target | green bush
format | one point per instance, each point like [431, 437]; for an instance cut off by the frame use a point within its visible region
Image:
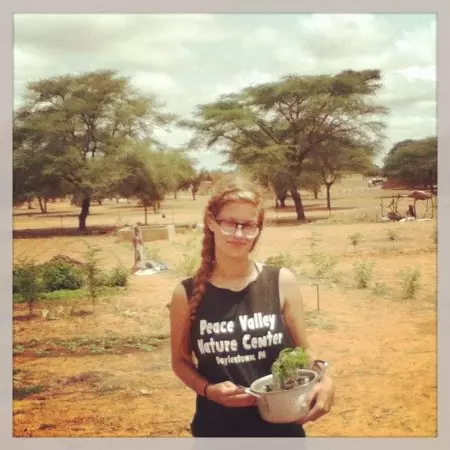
[411, 281]
[117, 277]
[281, 260]
[60, 275]
[27, 282]
[323, 264]
[362, 271]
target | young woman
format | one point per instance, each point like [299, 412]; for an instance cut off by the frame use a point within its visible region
[230, 321]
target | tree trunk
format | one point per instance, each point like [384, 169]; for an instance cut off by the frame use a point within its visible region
[42, 205]
[30, 204]
[298, 203]
[328, 186]
[175, 195]
[84, 213]
[145, 212]
[316, 194]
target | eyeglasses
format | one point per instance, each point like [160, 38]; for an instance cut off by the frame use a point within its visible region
[228, 227]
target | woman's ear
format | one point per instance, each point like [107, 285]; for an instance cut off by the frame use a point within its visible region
[210, 223]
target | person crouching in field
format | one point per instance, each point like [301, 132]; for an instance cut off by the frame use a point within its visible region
[215, 314]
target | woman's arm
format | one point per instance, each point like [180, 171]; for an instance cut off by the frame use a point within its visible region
[291, 298]
[182, 361]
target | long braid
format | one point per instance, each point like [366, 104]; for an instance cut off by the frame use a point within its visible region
[204, 271]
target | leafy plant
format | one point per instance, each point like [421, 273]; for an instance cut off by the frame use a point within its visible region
[94, 276]
[117, 277]
[363, 273]
[284, 369]
[323, 264]
[411, 281]
[281, 260]
[27, 282]
[58, 274]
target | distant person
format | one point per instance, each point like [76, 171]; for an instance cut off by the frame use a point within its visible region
[138, 244]
[209, 318]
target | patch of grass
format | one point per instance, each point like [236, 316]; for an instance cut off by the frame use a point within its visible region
[316, 319]
[380, 289]
[20, 393]
[355, 238]
[284, 259]
[362, 272]
[323, 264]
[191, 258]
[18, 349]
[392, 235]
[411, 281]
[117, 277]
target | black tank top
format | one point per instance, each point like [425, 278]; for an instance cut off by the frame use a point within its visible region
[236, 336]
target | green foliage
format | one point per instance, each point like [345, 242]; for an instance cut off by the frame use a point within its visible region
[275, 128]
[94, 276]
[27, 282]
[59, 275]
[69, 135]
[282, 260]
[413, 161]
[323, 264]
[191, 258]
[363, 271]
[289, 360]
[118, 277]
[411, 281]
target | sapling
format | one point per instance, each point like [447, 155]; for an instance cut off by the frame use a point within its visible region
[285, 369]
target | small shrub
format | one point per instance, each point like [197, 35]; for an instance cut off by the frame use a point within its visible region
[94, 277]
[355, 238]
[362, 271]
[27, 282]
[323, 265]
[411, 281]
[60, 275]
[281, 260]
[191, 258]
[392, 235]
[117, 277]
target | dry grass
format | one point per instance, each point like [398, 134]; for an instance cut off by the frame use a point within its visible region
[108, 373]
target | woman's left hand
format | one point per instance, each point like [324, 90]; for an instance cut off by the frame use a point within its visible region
[319, 400]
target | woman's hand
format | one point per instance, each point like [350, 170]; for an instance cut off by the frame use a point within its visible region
[319, 400]
[230, 395]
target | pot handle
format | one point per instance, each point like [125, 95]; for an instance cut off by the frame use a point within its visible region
[250, 392]
[322, 370]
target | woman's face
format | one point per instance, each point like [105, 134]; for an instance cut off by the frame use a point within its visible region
[235, 228]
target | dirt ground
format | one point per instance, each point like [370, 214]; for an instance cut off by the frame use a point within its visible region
[108, 373]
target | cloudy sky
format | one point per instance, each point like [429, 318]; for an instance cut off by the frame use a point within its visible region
[190, 59]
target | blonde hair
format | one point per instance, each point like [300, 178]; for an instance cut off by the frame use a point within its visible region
[230, 189]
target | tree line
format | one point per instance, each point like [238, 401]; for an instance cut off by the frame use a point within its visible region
[92, 136]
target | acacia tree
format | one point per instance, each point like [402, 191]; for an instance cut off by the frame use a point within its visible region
[83, 123]
[338, 157]
[413, 161]
[141, 177]
[292, 117]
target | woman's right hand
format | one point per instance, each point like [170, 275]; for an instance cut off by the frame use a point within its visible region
[230, 395]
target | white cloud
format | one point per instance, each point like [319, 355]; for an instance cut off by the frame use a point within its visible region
[191, 59]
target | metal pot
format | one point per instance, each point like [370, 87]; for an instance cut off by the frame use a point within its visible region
[289, 405]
